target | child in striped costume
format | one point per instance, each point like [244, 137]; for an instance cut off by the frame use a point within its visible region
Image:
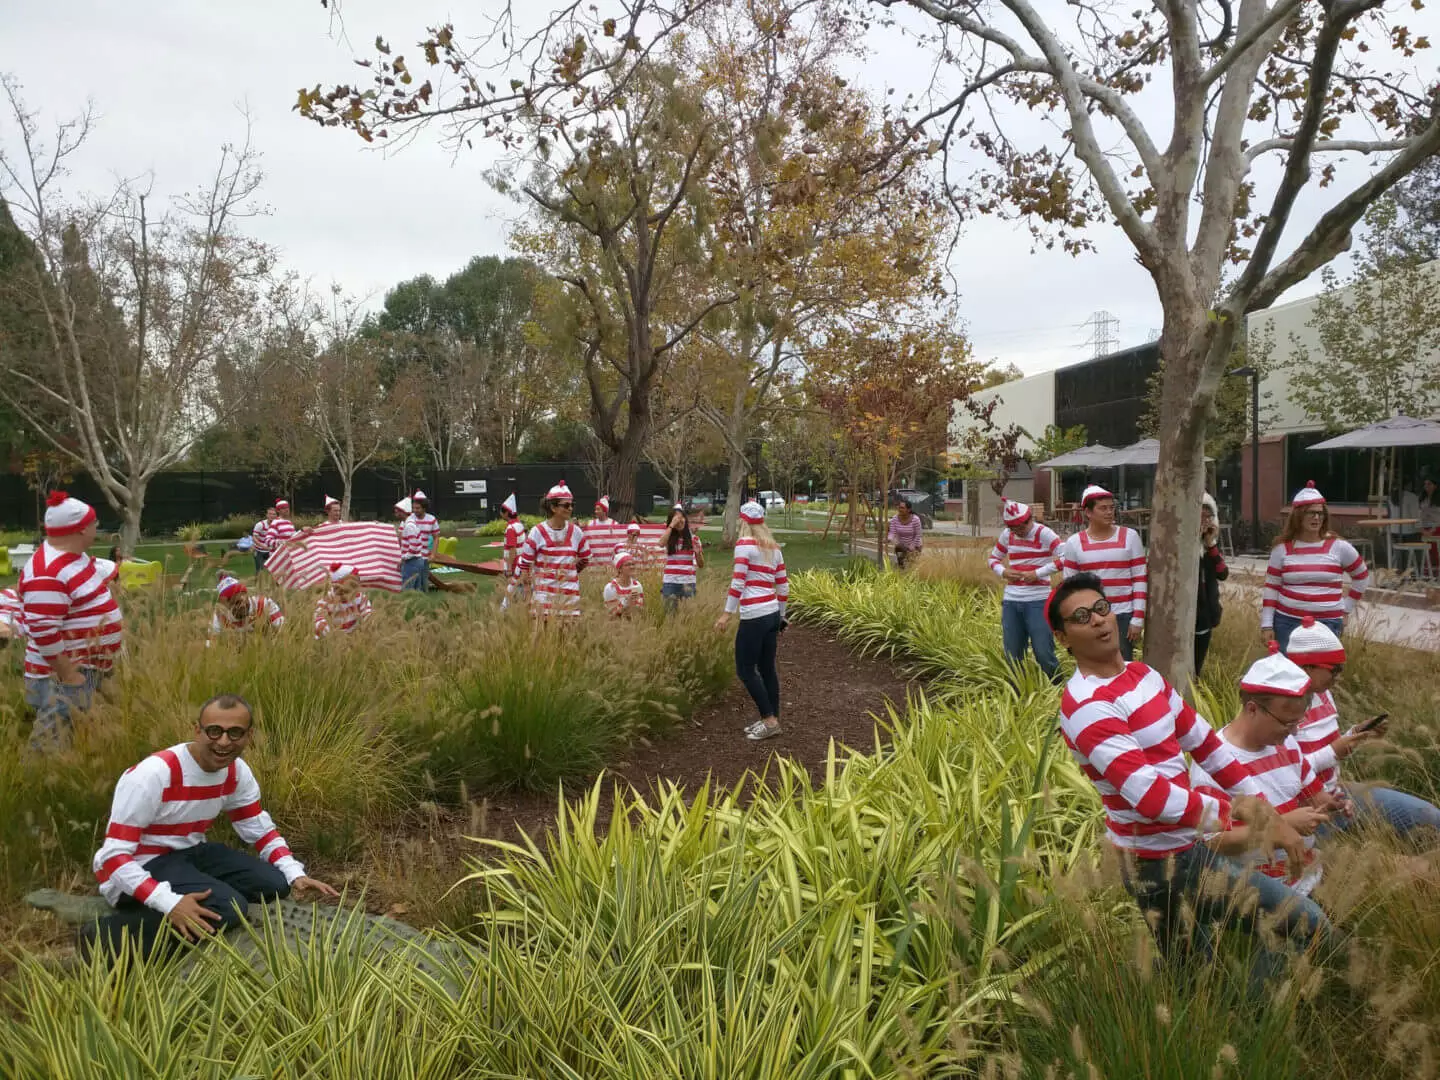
[1319, 653]
[344, 605]
[1128, 730]
[623, 593]
[553, 556]
[1307, 571]
[155, 865]
[1024, 556]
[759, 591]
[239, 611]
[1116, 556]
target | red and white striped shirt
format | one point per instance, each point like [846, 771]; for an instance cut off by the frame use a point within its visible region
[1118, 562]
[554, 558]
[12, 612]
[260, 536]
[168, 803]
[342, 615]
[67, 607]
[1305, 578]
[1318, 730]
[1036, 553]
[418, 536]
[621, 598]
[758, 585]
[278, 531]
[1127, 734]
[680, 564]
[263, 613]
[1283, 778]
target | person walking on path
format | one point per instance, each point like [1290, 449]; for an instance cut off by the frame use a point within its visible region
[1115, 554]
[1307, 571]
[904, 536]
[260, 544]
[759, 591]
[418, 538]
[553, 556]
[684, 557]
[1212, 571]
[155, 865]
[1025, 557]
[73, 625]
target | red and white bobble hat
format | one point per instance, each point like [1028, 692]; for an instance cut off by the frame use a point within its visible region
[510, 506]
[340, 571]
[282, 504]
[329, 502]
[559, 491]
[1015, 513]
[623, 559]
[65, 516]
[633, 529]
[1276, 674]
[1314, 644]
[1093, 492]
[1309, 495]
[230, 586]
[419, 496]
[603, 504]
[404, 506]
[752, 512]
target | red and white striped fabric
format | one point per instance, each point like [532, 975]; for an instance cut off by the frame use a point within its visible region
[758, 584]
[67, 607]
[680, 566]
[278, 531]
[1318, 730]
[263, 614]
[260, 537]
[12, 612]
[514, 535]
[1127, 734]
[553, 559]
[1283, 778]
[418, 536]
[622, 597]
[1036, 553]
[605, 536]
[1119, 562]
[340, 616]
[1309, 579]
[168, 803]
[370, 546]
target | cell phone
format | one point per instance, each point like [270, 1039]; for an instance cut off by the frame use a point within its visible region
[1372, 723]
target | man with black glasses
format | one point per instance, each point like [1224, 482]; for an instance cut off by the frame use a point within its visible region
[156, 866]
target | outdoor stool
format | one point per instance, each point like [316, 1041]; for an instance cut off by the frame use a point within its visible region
[1417, 561]
[1227, 542]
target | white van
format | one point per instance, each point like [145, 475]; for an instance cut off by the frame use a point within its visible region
[771, 500]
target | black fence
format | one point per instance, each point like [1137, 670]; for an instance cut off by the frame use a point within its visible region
[179, 498]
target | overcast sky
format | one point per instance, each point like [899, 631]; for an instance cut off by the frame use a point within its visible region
[169, 78]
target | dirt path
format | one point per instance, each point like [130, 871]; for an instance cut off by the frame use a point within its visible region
[826, 692]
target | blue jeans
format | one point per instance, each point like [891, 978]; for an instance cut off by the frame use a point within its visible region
[1219, 890]
[54, 702]
[414, 574]
[671, 593]
[1023, 622]
[1285, 625]
[1385, 806]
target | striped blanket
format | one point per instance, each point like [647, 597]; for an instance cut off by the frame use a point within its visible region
[372, 547]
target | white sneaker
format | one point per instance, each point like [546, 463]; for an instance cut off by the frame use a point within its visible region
[760, 731]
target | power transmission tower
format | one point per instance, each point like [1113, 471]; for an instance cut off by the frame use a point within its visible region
[1104, 333]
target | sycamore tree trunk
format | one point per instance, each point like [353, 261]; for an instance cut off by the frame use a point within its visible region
[1195, 344]
[734, 496]
[131, 505]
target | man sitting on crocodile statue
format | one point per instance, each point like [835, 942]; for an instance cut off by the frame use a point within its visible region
[155, 865]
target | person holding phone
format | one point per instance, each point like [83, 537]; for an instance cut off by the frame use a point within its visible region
[1316, 649]
[683, 558]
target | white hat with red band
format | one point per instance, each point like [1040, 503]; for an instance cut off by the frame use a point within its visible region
[282, 504]
[633, 528]
[623, 559]
[1093, 492]
[65, 516]
[752, 512]
[419, 496]
[230, 586]
[404, 506]
[340, 571]
[1307, 495]
[1275, 674]
[603, 503]
[329, 502]
[1313, 644]
[559, 491]
[1015, 513]
[510, 506]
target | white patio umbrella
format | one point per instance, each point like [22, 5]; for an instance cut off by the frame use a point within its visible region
[1086, 457]
[1386, 434]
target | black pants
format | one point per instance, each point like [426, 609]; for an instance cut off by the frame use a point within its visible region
[233, 877]
[1202, 648]
[755, 643]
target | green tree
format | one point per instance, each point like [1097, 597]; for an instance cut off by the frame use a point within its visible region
[1055, 440]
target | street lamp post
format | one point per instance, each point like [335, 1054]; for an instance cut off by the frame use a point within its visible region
[1248, 371]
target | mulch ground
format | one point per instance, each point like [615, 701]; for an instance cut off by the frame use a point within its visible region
[826, 692]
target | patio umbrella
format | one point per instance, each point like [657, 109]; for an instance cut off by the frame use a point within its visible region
[1086, 457]
[1386, 434]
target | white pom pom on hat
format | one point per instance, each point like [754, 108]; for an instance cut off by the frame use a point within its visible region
[559, 491]
[1307, 495]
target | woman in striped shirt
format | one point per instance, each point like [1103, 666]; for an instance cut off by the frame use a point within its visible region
[759, 590]
[1307, 572]
[905, 534]
[553, 556]
[683, 558]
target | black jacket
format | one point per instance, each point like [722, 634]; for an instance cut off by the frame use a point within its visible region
[1212, 571]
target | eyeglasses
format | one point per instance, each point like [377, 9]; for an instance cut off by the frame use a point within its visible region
[1081, 615]
[564, 506]
[214, 731]
[1282, 721]
[1312, 513]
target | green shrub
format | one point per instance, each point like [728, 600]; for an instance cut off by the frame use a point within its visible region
[497, 527]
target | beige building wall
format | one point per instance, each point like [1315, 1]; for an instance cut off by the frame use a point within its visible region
[1028, 402]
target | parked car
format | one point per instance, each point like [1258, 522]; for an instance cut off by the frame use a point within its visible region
[771, 500]
[924, 504]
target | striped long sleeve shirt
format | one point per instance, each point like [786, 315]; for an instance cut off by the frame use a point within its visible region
[1037, 553]
[278, 531]
[906, 535]
[168, 803]
[554, 558]
[263, 613]
[342, 616]
[758, 584]
[67, 607]
[1305, 578]
[1119, 562]
[680, 564]
[1127, 733]
[418, 536]
[260, 536]
[12, 612]
[1318, 730]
